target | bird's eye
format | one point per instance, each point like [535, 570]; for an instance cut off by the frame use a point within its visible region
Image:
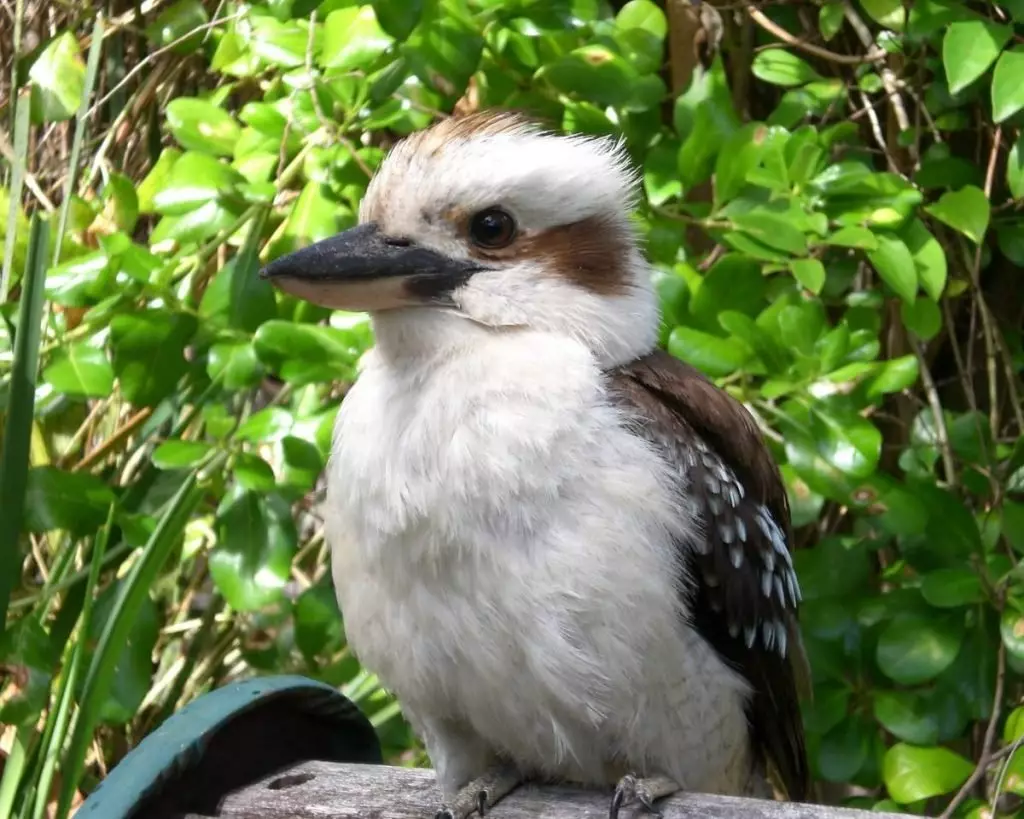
[492, 228]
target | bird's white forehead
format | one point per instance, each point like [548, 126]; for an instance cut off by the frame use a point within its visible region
[463, 165]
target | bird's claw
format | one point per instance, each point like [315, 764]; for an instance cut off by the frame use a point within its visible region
[631, 788]
[479, 806]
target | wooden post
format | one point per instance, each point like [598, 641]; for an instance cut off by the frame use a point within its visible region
[328, 790]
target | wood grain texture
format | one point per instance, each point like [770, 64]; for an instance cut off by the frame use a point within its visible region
[327, 790]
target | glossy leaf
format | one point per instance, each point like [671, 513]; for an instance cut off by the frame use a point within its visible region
[966, 210]
[895, 264]
[912, 774]
[199, 125]
[58, 79]
[148, 353]
[913, 650]
[256, 541]
[969, 48]
[780, 67]
[81, 370]
[398, 17]
[56, 499]
[1008, 84]
[353, 38]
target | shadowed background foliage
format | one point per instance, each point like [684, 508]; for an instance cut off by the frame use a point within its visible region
[832, 205]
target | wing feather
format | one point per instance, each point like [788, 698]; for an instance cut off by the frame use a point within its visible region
[744, 595]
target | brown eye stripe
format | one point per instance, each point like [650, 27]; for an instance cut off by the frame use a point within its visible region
[591, 253]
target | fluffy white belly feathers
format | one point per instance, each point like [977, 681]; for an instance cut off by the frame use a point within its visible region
[502, 552]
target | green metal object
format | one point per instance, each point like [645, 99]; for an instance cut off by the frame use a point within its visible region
[230, 738]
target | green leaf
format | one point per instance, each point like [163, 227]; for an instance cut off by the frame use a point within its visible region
[445, 53]
[907, 715]
[253, 473]
[148, 350]
[27, 655]
[661, 177]
[353, 39]
[1011, 629]
[58, 80]
[853, 236]
[301, 353]
[280, 44]
[133, 666]
[269, 424]
[895, 375]
[772, 229]
[180, 454]
[317, 621]
[738, 157]
[844, 749]
[121, 202]
[599, 75]
[195, 180]
[713, 355]
[922, 316]
[830, 20]
[888, 13]
[81, 370]
[1013, 522]
[951, 588]
[398, 17]
[929, 257]
[199, 125]
[186, 17]
[810, 273]
[643, 14]
[236, 364]
[256, 542]
[966, 210]
[75, 501]
[780, 67]
[914, 649]
[1008, 84]
[156, 179]
[912, 774]
[895, 264]
[1015, 168]
[969, 48]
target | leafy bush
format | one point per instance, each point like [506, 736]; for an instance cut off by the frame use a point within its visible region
[832, 208]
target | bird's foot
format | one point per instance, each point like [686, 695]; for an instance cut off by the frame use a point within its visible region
[482, 793]
[632, 788]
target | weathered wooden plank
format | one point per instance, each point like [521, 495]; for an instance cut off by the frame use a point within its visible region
[318, 790]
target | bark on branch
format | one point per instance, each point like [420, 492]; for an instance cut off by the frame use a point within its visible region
[318, 790]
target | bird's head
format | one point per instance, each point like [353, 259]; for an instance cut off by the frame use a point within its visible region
[488, 218]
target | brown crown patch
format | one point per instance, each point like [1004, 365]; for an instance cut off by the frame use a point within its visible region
[592, 253]
[489, 122]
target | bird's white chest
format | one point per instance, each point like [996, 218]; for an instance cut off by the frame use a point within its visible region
[501, 551]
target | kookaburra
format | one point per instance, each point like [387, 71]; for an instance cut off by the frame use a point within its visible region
[565, 552]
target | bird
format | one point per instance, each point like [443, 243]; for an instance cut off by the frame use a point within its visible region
[565, 551]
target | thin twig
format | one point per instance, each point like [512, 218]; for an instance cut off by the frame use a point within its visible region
[889, 81]
[986, 757]
[935, 403]
[119, 435]
[775, 30]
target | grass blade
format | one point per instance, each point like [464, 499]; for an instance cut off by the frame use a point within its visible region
[55, 734]
[14, 766]
[112, 641]
[92, 65]
[18, 434]
[21, 121]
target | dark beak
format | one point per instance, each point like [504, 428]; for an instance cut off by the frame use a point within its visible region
[364, 269]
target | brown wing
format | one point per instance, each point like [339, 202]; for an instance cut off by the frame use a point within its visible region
[744, 590]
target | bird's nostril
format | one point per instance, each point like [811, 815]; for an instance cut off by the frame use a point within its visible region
[397, 241]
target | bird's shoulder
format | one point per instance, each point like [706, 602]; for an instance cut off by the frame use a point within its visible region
[743, 589]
